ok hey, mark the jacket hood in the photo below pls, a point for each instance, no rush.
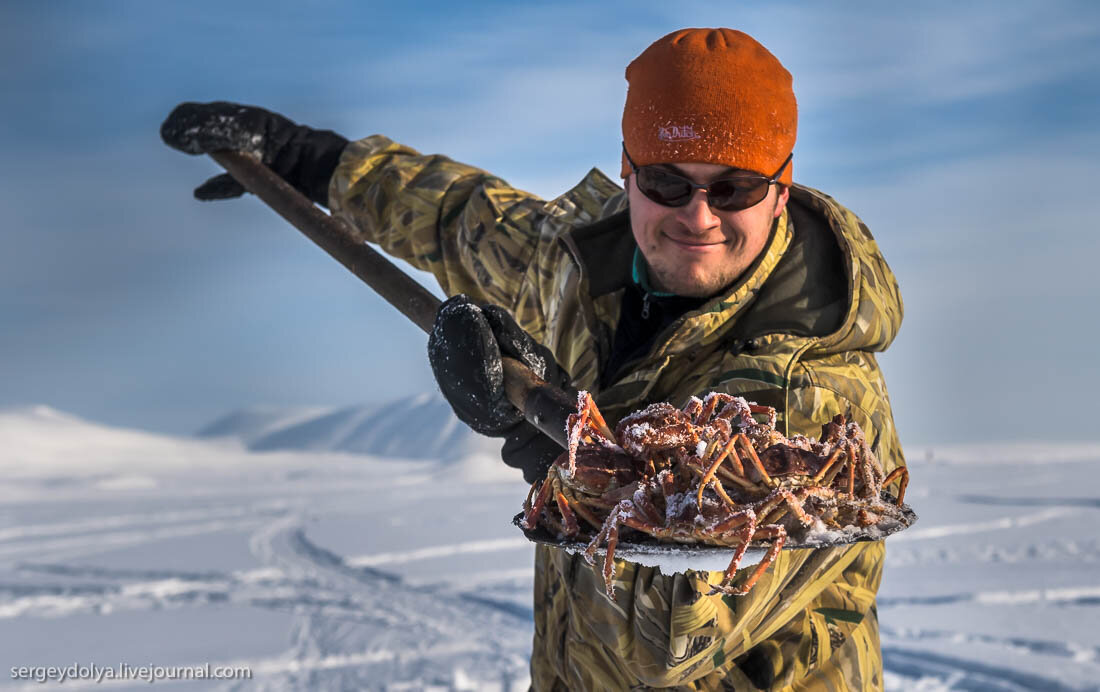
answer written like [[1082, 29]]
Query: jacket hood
[[870, 314]]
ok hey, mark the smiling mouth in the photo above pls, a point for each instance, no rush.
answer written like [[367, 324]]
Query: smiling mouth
[[693, 243]]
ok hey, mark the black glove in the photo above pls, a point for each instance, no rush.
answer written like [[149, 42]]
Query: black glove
[[302, 156], [465, 349]]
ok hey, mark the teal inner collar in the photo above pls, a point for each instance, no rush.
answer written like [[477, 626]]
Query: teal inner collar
[[640, 274]]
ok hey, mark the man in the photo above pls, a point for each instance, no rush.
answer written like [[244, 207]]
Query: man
[[711, 271]]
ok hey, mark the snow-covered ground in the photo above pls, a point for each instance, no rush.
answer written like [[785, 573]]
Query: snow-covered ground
[[325, 569]]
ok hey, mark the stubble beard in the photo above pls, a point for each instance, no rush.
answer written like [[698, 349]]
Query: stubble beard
[[672, 279]]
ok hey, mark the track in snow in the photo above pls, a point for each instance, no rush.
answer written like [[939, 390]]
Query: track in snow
[[923, 670], [401, 634]]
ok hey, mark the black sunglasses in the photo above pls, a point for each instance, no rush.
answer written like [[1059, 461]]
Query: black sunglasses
[[727, 194]]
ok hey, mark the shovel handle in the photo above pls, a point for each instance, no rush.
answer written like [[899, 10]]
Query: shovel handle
[[544, 405]]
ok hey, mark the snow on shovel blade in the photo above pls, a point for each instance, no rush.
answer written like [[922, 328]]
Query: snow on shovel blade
[[677, 558]]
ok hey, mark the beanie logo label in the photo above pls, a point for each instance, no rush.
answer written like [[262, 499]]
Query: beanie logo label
[[676, 133]]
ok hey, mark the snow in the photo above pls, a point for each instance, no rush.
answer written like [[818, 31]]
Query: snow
[[673, 559], [324, 569]]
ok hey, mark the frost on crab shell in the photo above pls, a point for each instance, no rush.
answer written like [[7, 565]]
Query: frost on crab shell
[[637, 430], [750, 516], [677, 504], [801, 442], [650, 410]]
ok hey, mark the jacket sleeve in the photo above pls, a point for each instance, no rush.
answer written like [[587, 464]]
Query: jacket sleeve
[[471, 230], [668, 630]]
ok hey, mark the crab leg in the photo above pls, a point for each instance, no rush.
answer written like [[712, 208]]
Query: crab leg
[[783, 495], [735, 459], [734, 407], [724, 428], [757, 408], [585, 400], [836, 470], [710, 403], [594, 544], [579, 507], [692, 408], [731, 522], [816, 491], [902, 473], [709, 450], [567, 514], [828, 465], [587, 416], [575, 423], [851, 470], [531, 518], [867, 474], [610, 534], [746, 444], [719, 490], [745, 535], [527, 502], [738, 478], [713, 469], [772, 531], [872, 462], [609, 561]]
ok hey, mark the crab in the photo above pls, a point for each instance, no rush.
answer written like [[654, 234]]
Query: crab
[[592, 479], [709, 473], [872, 478], [665, 508], [796, 469]]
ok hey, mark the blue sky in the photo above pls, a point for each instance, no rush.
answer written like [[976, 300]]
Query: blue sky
[[963, 133]]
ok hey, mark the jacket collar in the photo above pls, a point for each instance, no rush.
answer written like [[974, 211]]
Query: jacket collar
[[605, 252]]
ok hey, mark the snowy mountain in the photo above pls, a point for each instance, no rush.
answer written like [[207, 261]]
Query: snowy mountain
[[417, 427], [41, 442]]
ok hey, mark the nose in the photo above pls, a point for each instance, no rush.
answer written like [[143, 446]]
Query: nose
[[697, 215]]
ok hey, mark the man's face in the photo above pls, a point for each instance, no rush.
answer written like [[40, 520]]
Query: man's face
[[695, 250]]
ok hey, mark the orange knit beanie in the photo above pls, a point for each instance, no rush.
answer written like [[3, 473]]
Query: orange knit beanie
[[709, 96]]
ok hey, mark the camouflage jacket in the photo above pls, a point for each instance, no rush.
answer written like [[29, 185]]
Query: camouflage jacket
[[797, 332]]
